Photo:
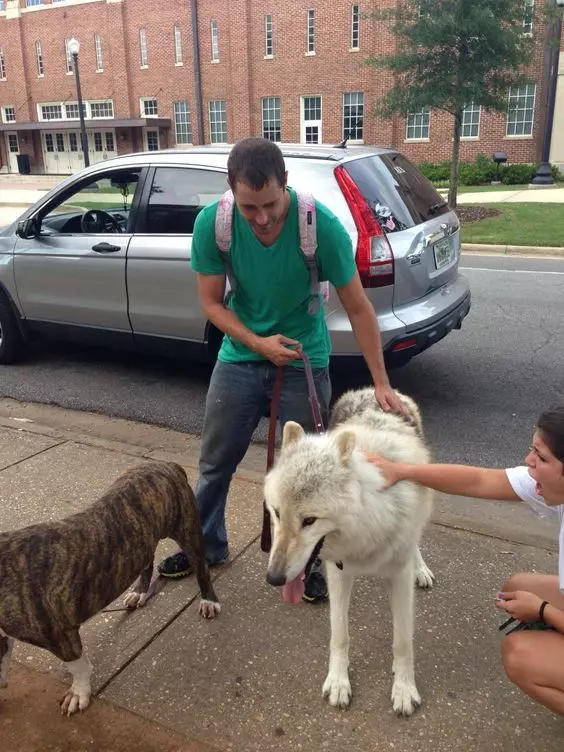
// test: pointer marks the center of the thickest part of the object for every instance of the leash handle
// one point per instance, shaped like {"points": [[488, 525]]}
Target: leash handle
{"points": [[266, 536]]}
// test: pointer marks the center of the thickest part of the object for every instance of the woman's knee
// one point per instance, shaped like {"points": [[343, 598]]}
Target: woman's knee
{"points": [[517, 657]]}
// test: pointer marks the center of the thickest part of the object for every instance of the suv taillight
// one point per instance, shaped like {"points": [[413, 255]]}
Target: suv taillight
{"points": [[374, 257]]}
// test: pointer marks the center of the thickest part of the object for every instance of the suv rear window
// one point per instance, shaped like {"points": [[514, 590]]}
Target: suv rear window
{"points": [[398, 194]]}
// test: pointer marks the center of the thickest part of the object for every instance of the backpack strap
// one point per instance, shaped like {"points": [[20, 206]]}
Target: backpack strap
{"points": [[224, 232], [307, 222]]}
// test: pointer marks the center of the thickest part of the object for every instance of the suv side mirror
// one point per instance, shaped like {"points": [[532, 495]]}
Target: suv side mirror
{"points": [[26, 229]]}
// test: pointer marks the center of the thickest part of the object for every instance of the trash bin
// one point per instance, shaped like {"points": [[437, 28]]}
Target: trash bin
{"points": [[24, 167]]}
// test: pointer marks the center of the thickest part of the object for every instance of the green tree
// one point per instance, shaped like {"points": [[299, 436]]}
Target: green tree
{"points": [[451, 53]]}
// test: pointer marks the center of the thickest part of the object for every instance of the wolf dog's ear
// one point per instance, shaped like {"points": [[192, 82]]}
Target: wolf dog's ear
{"points": [[292, 433], [346, 443]]}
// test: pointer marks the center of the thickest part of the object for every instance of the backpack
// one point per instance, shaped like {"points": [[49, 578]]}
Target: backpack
{"points": [[308, 242]]}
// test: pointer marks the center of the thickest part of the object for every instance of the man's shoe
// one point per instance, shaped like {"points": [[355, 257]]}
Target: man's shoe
{"points": [[176, 566], [315, 588]]}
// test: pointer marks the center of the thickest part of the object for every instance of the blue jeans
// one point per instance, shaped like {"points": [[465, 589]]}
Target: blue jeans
{"points": [[239, 395]]}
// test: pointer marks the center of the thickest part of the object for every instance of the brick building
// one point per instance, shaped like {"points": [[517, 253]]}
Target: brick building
{"points": [[291, 70]]}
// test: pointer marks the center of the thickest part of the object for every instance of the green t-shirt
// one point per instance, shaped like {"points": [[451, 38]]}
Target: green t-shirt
{"points": [[273, 284]]}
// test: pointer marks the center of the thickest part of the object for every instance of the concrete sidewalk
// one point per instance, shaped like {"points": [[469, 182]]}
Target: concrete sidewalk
{"points": [[251, 680]]}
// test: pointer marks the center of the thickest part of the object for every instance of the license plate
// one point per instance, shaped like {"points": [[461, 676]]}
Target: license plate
{"points": [[444, 253]]}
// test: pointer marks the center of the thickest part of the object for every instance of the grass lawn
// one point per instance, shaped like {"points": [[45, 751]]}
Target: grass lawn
{"points": [[519, 224]]}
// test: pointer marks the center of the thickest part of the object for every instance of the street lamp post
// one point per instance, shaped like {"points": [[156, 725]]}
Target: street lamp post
{"points": [[543, 175], [74, 48]]}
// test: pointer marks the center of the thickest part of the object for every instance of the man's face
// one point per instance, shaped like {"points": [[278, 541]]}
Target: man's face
{"points": [[263, 209], [546, 470]]}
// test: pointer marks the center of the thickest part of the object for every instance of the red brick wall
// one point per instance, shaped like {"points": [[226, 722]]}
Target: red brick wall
{"points": [[241, 78]]}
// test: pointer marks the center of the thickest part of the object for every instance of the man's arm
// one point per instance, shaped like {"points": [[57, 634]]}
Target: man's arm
{"points": [[364, 324], [457, 480], [212, 291]]}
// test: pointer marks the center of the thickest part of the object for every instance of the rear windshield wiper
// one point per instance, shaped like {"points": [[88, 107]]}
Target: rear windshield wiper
{"points": [[435, 208]]}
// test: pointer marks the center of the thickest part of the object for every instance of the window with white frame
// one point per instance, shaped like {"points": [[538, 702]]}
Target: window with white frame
{"points": [[521, 110], [311, 32], [177, 45], [418, 125], [149, 107], [528, 17], [183, 123], [31, 3], [39, 58], [268, 42], [2, 5], [50, 111], [2, 65], [98, 48], [311, 120], [72, 112], [9, 114], [355, 27], [101, 109], [353, 115], [218, 121], [144, 55], [68, 57], [471, 121], [271, 118], [214, 42]]}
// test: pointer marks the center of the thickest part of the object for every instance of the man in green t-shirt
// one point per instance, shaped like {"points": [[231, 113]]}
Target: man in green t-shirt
{"points": [[266, 325]]}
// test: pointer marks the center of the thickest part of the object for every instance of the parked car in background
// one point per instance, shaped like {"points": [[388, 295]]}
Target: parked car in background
{"points": [[104, 256]]}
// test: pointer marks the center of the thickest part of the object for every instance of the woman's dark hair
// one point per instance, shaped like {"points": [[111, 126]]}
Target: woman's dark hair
{"points": [[551, 425], [256, 161]]}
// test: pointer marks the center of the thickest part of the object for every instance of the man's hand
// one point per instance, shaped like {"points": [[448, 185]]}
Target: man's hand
{"points": [[522, 605], [389, 401], [276, 351], [390, 470]]}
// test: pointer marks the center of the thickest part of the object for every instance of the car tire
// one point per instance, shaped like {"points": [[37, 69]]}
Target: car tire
{"points": [[11, 339]]}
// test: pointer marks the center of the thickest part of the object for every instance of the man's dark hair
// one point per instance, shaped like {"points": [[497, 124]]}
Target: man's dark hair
{"points": [[551, 426], [256, 161]]}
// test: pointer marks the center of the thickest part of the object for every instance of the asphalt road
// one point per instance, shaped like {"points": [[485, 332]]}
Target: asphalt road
{"points": [[480, 389]]}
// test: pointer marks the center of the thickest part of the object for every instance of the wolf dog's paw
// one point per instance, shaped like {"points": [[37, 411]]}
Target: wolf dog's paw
{"points": [[405, 697], [135, 600], [209, 609], [75, 699], [424, 577], [337, 690]]}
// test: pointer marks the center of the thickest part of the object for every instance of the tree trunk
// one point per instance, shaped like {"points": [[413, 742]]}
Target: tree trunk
{"points": [[453, 186]]}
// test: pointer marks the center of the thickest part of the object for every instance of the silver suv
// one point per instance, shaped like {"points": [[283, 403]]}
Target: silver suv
{"points": [[103, 257]]}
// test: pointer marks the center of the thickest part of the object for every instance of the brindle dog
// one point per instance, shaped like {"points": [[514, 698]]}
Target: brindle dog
{"points": [[55, 576]]}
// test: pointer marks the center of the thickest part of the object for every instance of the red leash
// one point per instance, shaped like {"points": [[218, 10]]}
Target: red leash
{"points": [[266, 539]]}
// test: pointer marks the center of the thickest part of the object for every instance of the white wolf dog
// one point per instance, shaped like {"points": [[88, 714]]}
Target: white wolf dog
{"points": [[325, 498]]}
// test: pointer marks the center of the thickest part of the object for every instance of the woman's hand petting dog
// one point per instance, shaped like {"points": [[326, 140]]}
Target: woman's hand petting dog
{"points": [[390, 470], [521, 605]]}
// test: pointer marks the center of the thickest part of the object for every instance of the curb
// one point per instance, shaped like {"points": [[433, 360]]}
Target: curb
{"points": [[513, 250]]}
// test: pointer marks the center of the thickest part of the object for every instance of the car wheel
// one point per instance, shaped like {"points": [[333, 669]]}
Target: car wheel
{"points": [[11, 340]]}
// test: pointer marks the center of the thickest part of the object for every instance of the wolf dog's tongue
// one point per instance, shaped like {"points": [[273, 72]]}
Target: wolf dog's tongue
{"points": [[292, 592]]}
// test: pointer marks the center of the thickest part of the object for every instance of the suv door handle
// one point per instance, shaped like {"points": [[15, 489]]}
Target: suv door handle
{"points": [[106, 248]]}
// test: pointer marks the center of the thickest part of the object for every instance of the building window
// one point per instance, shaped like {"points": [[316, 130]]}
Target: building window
{"points": [[9, 114], [521, 110], [152, 140], [149, 107], [104, 109], [311, 32], [71, 111], [2, 65], [39, 58], [73, 142], [353, 116], [355, 28], [2, 5], [218, 122], [311, 120], [177, 45], [68, 57], [143, 48], [418, 125], [269, 47], [98, 48], [51, 111], [98, 145], [471, 121], [110, 145], [528, 17], [271, 118], [31, 3], [183, 123], [214, 42]]}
